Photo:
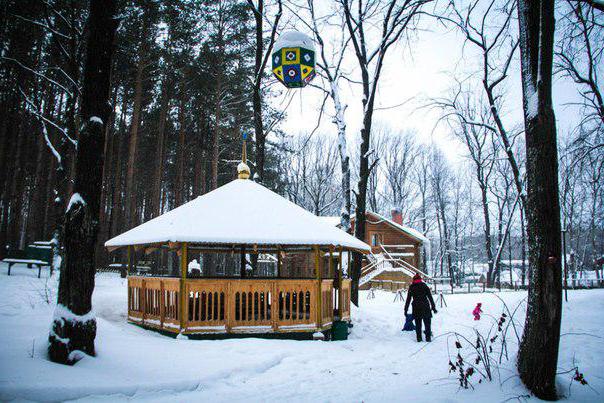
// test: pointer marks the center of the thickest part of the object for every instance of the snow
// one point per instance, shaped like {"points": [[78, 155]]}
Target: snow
{"points": [[410, 231], [76, 198], [96, 119], [334, 221], [52, 148], [240, 212], [294, 39], [242, 167], [64, 313], [532, 104], [377, 363], [194, 265]]}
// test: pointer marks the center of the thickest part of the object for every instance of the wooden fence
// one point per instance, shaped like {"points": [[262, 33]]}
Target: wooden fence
{"points": [[234, 305]]}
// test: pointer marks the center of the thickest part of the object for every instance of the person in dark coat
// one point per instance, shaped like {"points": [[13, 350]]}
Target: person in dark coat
{"points": [[422, 306]]}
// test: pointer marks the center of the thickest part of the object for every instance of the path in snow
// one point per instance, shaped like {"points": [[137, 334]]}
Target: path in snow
{"points": [[377, 363]]}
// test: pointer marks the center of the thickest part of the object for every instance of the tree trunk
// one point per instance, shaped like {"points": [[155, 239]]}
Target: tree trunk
{"points": [[538, 352], [159, 148], [488, 246], [131, 194], [180, 157], [361, 208], [216, 135], [256, 96], [118, 190], [74, 328]]}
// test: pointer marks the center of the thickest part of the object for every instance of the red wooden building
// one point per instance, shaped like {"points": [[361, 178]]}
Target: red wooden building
{"points": [[397, 251]]}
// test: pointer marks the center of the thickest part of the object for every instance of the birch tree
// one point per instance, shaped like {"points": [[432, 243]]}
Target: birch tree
{"points": [[329, 63]]}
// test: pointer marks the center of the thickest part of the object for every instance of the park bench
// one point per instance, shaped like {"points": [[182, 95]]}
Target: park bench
{"points": [[141, 268], [38, 254]]}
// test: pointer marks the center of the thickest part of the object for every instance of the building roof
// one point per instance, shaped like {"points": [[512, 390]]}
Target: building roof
{"points": [[408, 230], [335, 221], [330, 220], [240, 212]]}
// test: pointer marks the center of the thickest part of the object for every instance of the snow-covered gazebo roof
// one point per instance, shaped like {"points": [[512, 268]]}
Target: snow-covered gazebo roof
{"points": [[241, 212]]}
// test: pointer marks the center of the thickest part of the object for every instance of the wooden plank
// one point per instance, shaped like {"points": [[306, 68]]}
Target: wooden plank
{"points": [[319, 296], [162, 295]]}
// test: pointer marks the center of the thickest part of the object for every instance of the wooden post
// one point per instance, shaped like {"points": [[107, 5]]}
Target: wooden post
{"points": [[340, 282], [183, 278], [319, 291], [330, 273], [348, 264], [243, 263], [143, 300], [162, 302], [279, 262], [129, 267]]}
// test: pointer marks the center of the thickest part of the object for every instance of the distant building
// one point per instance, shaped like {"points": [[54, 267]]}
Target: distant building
{"points": [[397, 251]]}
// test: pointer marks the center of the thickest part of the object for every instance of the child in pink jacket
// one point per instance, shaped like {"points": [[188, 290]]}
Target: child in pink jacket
{"points": [[477, 311]]}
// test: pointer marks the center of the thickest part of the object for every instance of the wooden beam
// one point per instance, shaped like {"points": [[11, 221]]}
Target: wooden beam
{"points": [[243, 263], [183, 279], [340, 278], [319, 291], [129, 269]]}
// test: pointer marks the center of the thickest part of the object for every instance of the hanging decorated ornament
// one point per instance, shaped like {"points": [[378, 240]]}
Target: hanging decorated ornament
{"points": [[294, 59]]}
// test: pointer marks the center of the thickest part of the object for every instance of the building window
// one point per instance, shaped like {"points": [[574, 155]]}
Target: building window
{"points": [[375, 239]]}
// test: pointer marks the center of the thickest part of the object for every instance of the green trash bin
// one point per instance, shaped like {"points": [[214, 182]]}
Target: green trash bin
{"points": [[339, 330]]}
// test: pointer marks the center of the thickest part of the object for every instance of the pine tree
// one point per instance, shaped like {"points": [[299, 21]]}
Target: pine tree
{"points": [[74, 327]]}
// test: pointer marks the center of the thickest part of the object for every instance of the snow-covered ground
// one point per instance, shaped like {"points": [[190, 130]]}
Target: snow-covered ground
{"points": [[377, 363]]}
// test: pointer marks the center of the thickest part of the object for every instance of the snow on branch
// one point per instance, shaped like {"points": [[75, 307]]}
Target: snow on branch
{"points": [[36, 111], [37, 73], [76, 199]]}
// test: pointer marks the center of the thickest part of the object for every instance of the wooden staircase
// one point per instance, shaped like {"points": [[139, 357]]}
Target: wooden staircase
{"points": [[384, 261]]}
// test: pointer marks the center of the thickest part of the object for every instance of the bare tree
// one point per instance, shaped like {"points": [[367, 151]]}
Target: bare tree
{"points": [[394, 18], [469, 119], [397, 162], [311, 177], [440, 182], [490, 42], [578, 55], [538, 352]]}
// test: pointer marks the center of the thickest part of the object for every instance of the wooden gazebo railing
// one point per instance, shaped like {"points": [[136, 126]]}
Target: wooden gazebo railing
{"points": [[236, 305]]}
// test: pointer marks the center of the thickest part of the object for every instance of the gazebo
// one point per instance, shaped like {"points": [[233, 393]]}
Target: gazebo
{"points": [[240, 223]]}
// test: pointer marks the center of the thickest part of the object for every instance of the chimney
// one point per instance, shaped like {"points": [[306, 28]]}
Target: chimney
{"points": [[396, 215]]}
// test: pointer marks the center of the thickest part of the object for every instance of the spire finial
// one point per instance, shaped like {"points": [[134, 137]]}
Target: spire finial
{"points": [[243, 171]]}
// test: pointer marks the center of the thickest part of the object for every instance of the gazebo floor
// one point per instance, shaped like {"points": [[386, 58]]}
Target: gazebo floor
{"points": [[235, 306]]}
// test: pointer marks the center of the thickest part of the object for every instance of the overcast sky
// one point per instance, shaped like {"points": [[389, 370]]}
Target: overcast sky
{"points": [[414, 72]]}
